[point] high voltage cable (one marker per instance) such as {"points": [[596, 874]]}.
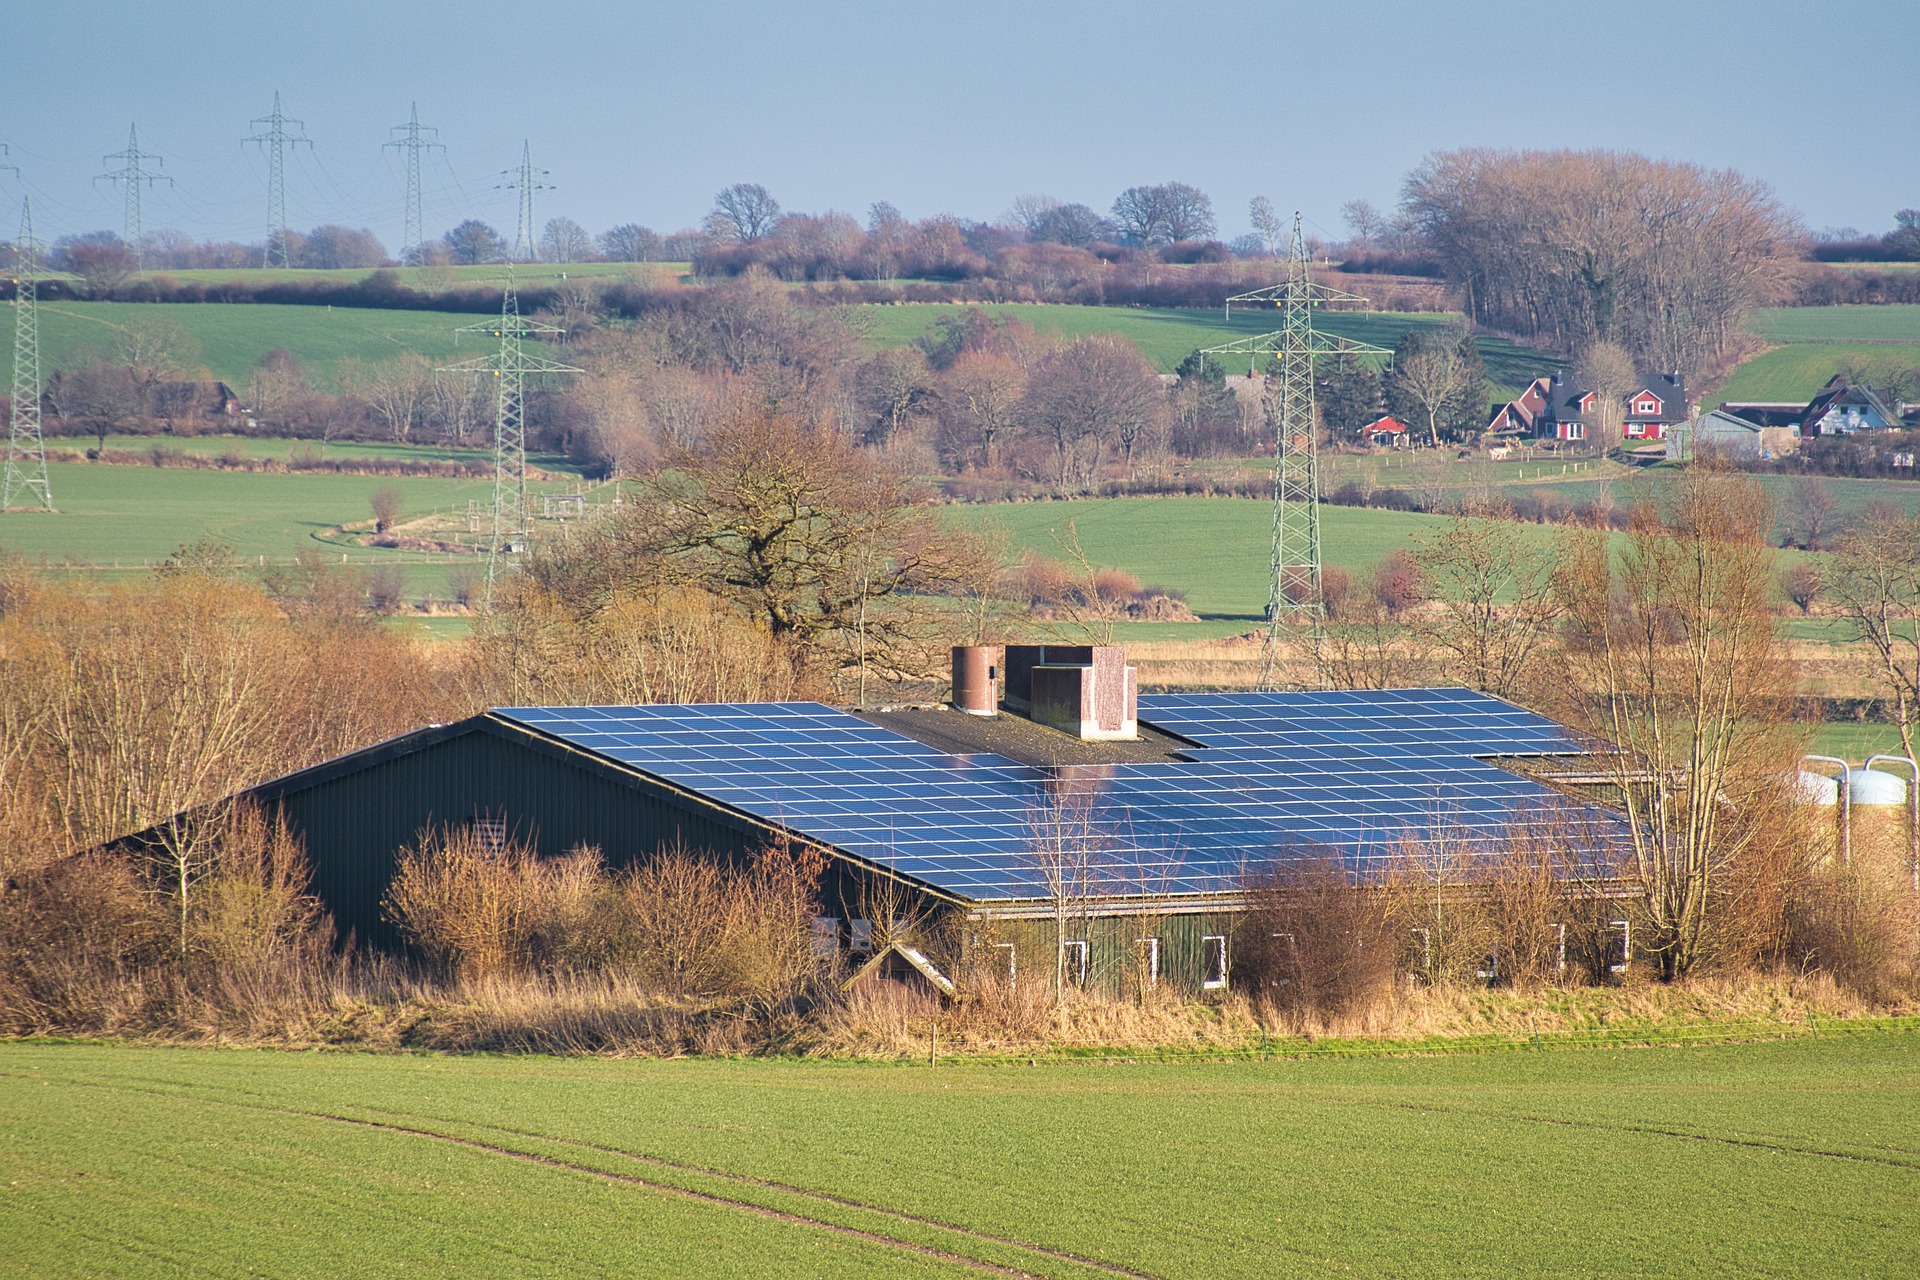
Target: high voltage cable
{"points": [[526, 181]]}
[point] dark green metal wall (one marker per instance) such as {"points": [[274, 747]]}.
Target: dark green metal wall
{"points": [[355, 825], [1114, 966]]}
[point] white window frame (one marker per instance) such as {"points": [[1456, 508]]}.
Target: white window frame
{"points": [[1013, 963], [490, 834], [1149, 949], [1075, 952], [1208, 982]]}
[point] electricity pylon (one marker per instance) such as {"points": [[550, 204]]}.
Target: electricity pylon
{"points": [[1295, 588], [413, 144], [525, 180], [275, 140], [131, 174], [509, 367], [26, 487]]}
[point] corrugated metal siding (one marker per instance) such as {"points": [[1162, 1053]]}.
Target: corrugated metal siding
{"points": [[355, 825], [1114, 966]]}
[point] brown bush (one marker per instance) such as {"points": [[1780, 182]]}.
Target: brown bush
{"points": [[1858, 928], [1314, 942]]}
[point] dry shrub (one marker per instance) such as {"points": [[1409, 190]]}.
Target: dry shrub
{"points": [[77, 941], [1858, 927], [470, 906], [680, 924], [703, 927], [1314, 942]]}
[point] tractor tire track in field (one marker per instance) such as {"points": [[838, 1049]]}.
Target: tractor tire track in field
{"points": [[171, 1089], [1911, 1165]]}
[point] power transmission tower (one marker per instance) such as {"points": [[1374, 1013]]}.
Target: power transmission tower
{"points": [[1294, 589], [131, 175], [275, 140], [26, 487], [510, 366], [413, 144], [525, 180]]}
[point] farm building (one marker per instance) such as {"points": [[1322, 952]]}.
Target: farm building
{"points": [[1554, 408], [1049, 789], [1731, 436]]}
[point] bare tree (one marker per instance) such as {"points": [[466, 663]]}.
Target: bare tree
{"points": [[395, 389], [564, 240], [743, 212], [1267, 223], [1809, 513], [1366, 222], [1163, 214], [1606, 370], [979, 398], [1491, 583], [1874, 583], [1432, 378], [386, 502], [1673, 659], [1094, 392], [630, 242]]}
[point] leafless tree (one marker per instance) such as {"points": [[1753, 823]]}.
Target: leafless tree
{"points": [[1163, 214], [1874, 583], [1810, 513], [1606, 369], [395, 389], [1432, 377], [1267, 223], [630, 242], [979, 399], [743, 212], [564, 240], [1491, 585], [1092, 393], [1673, 659], [1366, 222]]}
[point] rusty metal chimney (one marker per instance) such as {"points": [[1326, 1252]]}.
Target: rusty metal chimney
{"points": [[976, 679]]}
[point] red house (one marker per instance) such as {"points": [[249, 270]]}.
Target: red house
{"points": [[1385, 432]]}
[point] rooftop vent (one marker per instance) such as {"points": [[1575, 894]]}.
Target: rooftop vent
{"points": [[976, 677], [1088, 691]]}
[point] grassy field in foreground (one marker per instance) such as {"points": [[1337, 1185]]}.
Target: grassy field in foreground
{"points": [[1793, 1158], [1167, 335]]}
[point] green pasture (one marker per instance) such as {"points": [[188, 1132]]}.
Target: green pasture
{"points": [[1854, 740], [228, 339], [1214, 549], [133, 516], [282, 447], [1894, 322], [1792, 1158], [489, 274], [1793, 373], [1168, 335]]}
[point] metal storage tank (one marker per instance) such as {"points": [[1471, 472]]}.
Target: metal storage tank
{"points": [[1874, 787], [1816, 788]]}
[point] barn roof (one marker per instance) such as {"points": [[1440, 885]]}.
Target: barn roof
{"points": [[1355, 775]]}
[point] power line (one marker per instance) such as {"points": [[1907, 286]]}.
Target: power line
{"points": [[413, 144], [26, 473], [525, 180], [510, 367], [1294, 590], [274, 141], [131, 175]]}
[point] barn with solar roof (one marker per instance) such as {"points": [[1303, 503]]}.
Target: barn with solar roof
{"points": [[1048, 797]]}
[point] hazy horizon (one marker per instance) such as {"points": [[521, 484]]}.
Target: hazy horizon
{"points": [[641, 116]]}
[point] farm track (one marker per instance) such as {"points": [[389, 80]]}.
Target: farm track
{"points": [[1077, 1264]]}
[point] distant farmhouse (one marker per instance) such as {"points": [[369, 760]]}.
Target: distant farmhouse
{"points": [[1556, 408], [1842, 408]]}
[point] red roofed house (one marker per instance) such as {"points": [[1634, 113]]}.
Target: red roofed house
{"points": [[1385, 432]]}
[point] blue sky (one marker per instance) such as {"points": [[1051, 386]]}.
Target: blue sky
{"points": [[640, 112]]}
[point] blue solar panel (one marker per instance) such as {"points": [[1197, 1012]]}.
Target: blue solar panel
{"points": [[1365, 776]]}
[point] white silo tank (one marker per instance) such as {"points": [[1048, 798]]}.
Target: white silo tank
{"points": [[1816, 788], [1874, 787]]}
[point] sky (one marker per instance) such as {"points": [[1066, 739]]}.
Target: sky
{"points": [[640, 112]]}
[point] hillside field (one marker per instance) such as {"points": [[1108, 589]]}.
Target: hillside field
{"points": [[1168, 335], [1795, 1158]]}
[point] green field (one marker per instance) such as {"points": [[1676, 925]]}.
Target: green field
{"points": [[1214, 549], [1167, 335], [1898, 322], [133, 516], [1793, 373], [1797, 1158], [487, 275], [227, 340]]}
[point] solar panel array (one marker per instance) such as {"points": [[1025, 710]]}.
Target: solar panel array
{"points": [[1362, 776]]}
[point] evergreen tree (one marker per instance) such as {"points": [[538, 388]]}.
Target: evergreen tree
{"points": [[1348, 392]]}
